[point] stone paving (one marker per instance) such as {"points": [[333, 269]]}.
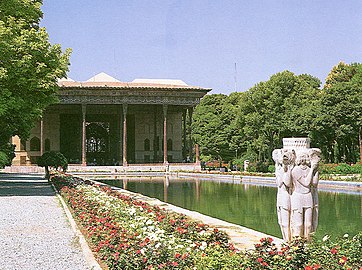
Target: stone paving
{"points": [[34, 230]]}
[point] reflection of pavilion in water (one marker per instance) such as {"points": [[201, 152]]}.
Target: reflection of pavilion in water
{"points": [[107, 122], [159, 179]]}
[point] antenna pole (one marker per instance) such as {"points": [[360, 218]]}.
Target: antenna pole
{"points": [[235, 81]]}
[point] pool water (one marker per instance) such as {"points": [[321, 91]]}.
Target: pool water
{"points": [[252, 206]]}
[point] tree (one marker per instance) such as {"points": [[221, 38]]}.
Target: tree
{"points": [[53, 159], [342, 107], [207, 126], [29, 69], [280, 107]]}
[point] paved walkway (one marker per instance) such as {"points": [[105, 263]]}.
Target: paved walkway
{"points": [[34, 230]]}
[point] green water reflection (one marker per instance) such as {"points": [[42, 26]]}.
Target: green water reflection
{"points": [[247, 205]]}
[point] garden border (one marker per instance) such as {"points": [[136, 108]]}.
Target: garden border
{"points": [[87, 252], [242, 237]]}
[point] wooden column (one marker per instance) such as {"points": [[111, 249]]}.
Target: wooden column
{"points": [[184, 138], [165, 134], [197, 154], [190, 110], [84, 157], [125, 134], [41, 136]]}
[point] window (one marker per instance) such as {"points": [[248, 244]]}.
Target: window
{"points": [[22, 145], [47, 145], [169, 145], [35, 144], [147, 145], [156, 145]]}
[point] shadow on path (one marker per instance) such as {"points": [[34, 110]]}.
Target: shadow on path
{"points": [[24, 185]]}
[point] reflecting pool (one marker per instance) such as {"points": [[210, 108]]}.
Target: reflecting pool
{"points": [[248, 205]]}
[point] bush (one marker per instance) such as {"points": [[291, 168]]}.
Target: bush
{"points": [[357, 168], [6, 154], [343, 168], [258, 167], [3, 159], [53, 159]]}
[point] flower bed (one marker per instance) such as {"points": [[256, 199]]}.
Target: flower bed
{"points": [[129, 234]]}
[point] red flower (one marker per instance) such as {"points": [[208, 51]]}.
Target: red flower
{"points": [[184, 256], [334, 251], [174, 263], [264, 264], [177, 255], [343, 260], [308, 267], [260, 260]]}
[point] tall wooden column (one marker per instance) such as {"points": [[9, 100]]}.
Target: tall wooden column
{"points": [[155, 140], [165, 134], [41, 136], [184, 138], [197, 154], [125, 134], [84, 157], [190, 110]]}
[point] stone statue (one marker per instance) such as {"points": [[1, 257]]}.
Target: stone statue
{"points": [[296, 172], [283, 161]]}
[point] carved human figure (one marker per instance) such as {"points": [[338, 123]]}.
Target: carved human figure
{"points": [[304, 176], [284, 161]]}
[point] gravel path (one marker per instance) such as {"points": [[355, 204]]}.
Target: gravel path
{"points": [[34, 230]]}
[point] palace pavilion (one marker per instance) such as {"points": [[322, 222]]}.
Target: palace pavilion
{"points": [[104, 121]]}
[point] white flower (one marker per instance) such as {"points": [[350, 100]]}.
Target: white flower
{"points": [[346, 235], [325, 238], [203, 245], [149, 222]]}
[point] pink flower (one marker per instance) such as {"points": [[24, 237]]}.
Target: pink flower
{"points": [[334, 251]]}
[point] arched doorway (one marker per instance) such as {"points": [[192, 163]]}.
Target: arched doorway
{"points": [[97, 141]]}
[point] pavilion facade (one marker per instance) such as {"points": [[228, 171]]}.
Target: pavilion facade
{"points": [[104, 121]]}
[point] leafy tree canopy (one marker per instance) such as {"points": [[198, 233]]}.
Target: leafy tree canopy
{"points": [[29, 68]]}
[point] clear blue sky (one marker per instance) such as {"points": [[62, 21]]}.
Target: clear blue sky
{"points": [[199, 41]]}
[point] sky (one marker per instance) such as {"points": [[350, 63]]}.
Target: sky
{"points": [[211, 44]]}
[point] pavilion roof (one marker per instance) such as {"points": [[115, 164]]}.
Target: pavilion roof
{"points": [[104, 81]]}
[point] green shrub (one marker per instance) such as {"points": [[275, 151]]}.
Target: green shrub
{"points": [[6, 154], [357, 168], [3, 159], [271, 168], [53, 159], [327, 168], [258, 167], [343, 168]]}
